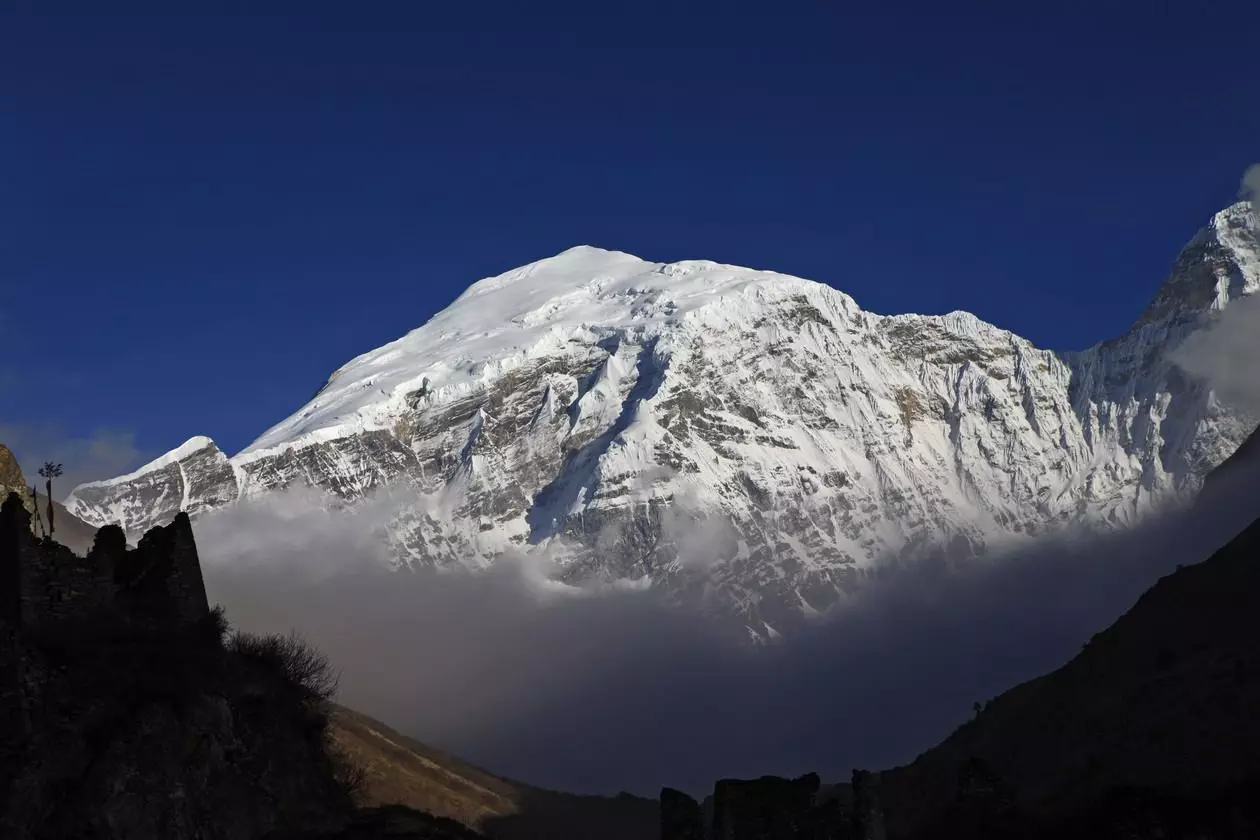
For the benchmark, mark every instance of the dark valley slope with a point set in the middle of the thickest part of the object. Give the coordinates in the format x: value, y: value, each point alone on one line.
x: 1149, y: 733
x: 1153, y: 724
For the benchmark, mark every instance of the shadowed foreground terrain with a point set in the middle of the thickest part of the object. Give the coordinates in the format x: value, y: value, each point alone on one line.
x: 127, y: 709
x: 1149, y: 733
x: 1151, y: 729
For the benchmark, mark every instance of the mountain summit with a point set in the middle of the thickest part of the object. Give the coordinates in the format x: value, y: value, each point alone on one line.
x: 749, y: 434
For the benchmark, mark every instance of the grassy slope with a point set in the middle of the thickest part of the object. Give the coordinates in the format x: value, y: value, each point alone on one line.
x: 402, y: 771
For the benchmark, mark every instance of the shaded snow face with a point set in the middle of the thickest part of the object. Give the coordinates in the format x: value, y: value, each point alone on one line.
x: 610, y: 688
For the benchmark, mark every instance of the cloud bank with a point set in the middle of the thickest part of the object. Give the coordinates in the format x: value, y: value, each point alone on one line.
x: 617, y: 689
x: 620, y: 689
x: 1225, y: 354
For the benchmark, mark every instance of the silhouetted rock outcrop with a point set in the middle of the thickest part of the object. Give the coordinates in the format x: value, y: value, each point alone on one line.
x: 126, y: 712
x: 12, y: 480
x: 765, y: 807
x: 681, y: 816
x: 868, y: 812
x: 46, y: 582
x: 768, y: 808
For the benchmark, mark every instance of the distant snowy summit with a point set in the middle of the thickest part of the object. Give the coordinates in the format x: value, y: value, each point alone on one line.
x: 194, y: 477
x: 608, y: 410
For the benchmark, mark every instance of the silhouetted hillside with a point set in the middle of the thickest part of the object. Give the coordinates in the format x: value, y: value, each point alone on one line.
x: 1150, y: 733
x: 1155, y: 720
x: 127, y: 710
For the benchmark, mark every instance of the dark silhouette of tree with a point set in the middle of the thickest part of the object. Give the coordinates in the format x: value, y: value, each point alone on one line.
x: 50, y: 471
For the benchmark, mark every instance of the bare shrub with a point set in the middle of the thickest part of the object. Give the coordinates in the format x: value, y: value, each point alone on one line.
x: 293, y: 658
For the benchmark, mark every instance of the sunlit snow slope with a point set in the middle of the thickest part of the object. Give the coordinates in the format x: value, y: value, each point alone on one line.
x: 746, y: 435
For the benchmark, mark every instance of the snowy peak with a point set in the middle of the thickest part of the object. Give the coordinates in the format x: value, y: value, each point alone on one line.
x: 185, y: 450
x: 193, y: 477
x: 1220, y: 264
x: 583, y: 295
x: 547, y: 276
x: 748, y: 435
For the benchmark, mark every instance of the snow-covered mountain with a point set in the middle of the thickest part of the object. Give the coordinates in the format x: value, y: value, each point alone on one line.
x: 750, y: 435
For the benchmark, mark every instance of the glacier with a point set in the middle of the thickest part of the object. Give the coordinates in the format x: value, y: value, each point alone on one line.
x: 750, y: 438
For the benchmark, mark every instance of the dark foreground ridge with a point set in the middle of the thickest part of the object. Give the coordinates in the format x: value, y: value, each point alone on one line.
x: 128, y: 711
x: 1150, y: 733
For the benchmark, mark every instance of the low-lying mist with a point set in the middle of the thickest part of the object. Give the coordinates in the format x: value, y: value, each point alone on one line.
x: 600, y: 691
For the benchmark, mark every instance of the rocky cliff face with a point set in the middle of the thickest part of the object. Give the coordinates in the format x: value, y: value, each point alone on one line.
x: 750, y: 436
x: 12, y: 479
x: 193, y: 478
x: 72, y: 532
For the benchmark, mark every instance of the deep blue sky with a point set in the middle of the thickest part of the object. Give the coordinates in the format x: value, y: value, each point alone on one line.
x: 206, y: 208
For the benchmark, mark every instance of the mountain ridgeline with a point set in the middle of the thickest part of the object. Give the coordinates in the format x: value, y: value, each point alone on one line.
x: 606, y: 409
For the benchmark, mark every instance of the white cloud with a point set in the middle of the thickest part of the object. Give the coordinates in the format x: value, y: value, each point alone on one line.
x: 1251, y: 186
x: 1225, y: 355
x: 623, y: 690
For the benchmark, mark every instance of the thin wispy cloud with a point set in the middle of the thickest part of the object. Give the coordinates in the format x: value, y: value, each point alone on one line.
x: 102, y: 454
x: 1251, y: 186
